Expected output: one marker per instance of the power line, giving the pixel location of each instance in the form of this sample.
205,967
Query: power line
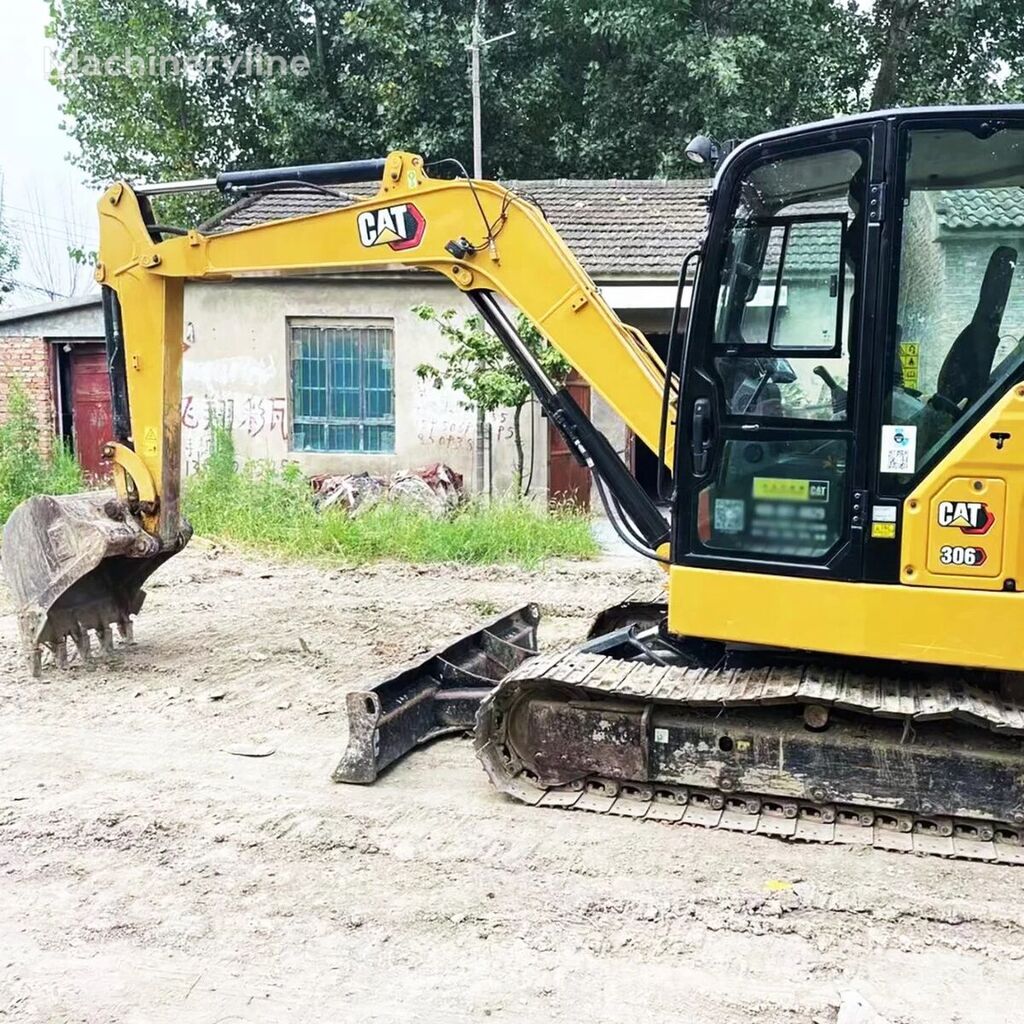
41,215
23,228
51,293
76,229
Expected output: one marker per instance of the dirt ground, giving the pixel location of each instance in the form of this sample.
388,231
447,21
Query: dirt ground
146,875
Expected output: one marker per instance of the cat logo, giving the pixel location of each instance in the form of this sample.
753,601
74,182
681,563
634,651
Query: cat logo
400,227
971,517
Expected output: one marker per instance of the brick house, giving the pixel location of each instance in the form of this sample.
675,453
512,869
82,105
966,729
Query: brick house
56,352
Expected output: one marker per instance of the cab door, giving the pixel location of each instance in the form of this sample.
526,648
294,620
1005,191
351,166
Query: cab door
770,474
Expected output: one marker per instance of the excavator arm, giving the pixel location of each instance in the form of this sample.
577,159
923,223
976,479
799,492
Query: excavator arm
490,242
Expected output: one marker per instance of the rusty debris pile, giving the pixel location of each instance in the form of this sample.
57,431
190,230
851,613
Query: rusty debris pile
436,489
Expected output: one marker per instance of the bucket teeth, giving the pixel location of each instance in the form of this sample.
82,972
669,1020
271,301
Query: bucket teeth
106,638
80,634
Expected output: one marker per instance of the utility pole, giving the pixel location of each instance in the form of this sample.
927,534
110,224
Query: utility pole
474,51
476,45
480,467
481,470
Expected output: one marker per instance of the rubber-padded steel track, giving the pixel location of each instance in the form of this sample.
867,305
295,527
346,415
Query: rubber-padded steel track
595,677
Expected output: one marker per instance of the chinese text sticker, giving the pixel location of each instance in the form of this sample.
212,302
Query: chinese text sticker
899,449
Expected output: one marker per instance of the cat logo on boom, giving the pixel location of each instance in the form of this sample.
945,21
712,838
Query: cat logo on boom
973,517
400,227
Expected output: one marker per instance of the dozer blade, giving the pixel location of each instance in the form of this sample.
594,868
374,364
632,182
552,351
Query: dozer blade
433,696
76,564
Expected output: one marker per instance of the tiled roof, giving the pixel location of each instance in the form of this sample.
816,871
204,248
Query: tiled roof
981,208
613,226
813,248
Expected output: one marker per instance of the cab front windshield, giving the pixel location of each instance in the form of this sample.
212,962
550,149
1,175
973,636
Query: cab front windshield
959,330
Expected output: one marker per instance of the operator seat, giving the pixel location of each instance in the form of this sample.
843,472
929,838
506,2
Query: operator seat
967,368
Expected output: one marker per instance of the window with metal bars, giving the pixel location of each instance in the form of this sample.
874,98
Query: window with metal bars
343,391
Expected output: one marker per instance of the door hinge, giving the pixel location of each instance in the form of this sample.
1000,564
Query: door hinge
876,203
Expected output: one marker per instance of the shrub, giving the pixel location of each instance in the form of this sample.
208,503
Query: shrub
24,471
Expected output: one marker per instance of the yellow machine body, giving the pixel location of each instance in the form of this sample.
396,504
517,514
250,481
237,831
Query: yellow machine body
941,612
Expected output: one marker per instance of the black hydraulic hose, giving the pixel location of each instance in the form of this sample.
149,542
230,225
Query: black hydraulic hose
626,522
113,329
620,529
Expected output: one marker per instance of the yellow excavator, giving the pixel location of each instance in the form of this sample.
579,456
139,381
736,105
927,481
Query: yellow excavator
837,650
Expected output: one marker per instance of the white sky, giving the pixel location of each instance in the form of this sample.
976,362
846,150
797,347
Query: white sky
46,203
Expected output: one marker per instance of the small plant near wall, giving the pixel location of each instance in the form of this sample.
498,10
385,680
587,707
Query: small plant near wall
24,470
476,365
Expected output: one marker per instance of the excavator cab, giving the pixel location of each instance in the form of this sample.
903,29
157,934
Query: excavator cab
876,260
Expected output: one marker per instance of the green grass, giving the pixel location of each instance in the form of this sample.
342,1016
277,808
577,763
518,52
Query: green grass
24,471
270,509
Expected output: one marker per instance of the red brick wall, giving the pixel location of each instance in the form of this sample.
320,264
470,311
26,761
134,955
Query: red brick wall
29,361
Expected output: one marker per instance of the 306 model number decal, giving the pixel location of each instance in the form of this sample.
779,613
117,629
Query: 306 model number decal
950,554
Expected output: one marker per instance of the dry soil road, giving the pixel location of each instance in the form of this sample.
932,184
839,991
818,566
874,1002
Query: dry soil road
147,876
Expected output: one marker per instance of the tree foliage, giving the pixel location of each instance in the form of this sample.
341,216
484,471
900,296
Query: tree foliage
478,366
583,88
945,51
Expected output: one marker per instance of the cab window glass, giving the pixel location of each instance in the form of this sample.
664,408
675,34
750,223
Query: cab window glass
960,307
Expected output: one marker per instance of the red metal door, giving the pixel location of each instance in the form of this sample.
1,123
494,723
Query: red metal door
91,412
567,479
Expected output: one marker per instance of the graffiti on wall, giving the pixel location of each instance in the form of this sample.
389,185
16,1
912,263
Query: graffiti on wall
253,416
260,425
444,423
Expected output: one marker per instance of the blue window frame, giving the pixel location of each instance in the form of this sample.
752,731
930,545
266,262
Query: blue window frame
343,390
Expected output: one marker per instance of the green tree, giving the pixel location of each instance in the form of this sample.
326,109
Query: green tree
585,88
944,51
477,365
